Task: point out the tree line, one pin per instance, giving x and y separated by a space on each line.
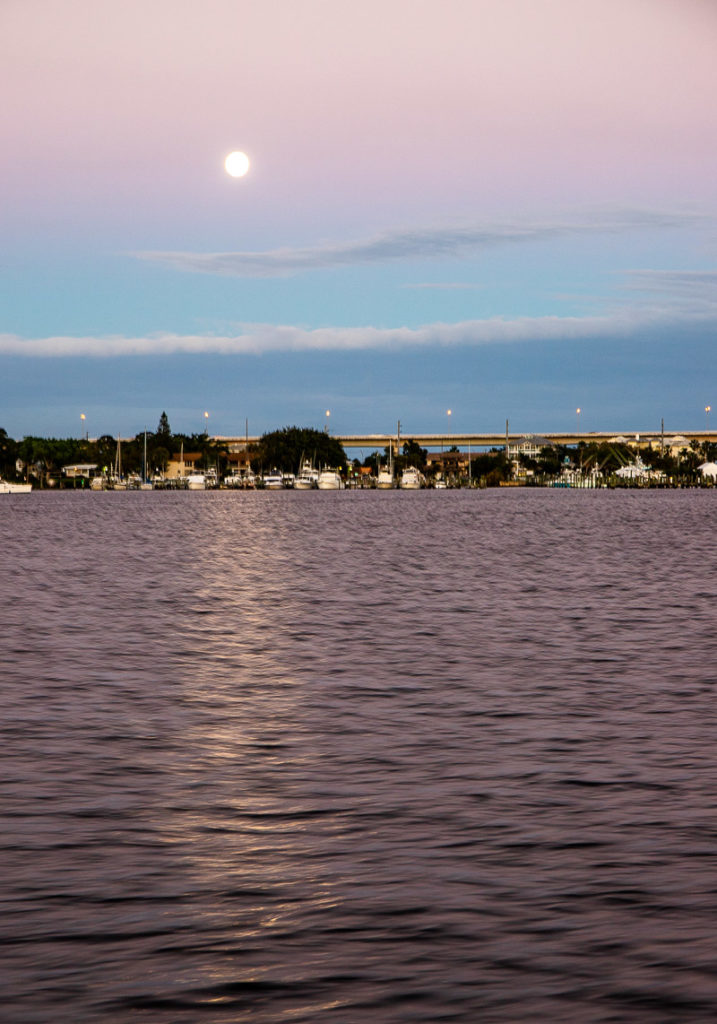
42 458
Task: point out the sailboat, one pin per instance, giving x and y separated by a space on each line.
145 484
117 483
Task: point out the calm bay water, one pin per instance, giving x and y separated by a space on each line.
359 756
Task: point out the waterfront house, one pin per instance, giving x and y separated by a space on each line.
178 467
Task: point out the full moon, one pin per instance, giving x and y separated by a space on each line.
237 164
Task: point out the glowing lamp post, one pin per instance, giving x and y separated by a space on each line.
82 422
577 414
326 428
448 423
708 410
206 422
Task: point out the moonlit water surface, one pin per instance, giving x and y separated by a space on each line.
359 756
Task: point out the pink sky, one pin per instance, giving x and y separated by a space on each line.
373 113
441 172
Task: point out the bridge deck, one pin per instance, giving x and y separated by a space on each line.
476 440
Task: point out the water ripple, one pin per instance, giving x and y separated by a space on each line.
359 756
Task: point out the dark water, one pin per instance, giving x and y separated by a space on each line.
347 757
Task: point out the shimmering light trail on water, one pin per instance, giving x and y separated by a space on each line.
386 757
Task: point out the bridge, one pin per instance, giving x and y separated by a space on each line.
641 438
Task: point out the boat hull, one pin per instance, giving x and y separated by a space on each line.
9 488
329 481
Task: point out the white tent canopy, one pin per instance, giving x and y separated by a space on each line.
708 469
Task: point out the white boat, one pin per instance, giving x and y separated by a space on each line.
385 480
243 480
6 487
308 478
196 482
274 481
412 479
329 480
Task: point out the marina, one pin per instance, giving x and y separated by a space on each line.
305 459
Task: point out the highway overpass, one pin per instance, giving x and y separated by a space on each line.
369 442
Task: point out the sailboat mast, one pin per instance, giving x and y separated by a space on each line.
118 460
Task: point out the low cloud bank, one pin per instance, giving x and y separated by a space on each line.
256 339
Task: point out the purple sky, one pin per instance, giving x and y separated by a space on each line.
430 181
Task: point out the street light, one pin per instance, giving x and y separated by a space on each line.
448 419
577 413
708 410
206 422
326 428
82 421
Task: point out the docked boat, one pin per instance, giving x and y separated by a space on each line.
329 480
244 480
196 482
307 479
274 481
6 487
117 481
412 479
145 483
385 480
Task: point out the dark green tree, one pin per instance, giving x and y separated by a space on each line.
164 431
8 455
284 450
158 459
491 467
415 455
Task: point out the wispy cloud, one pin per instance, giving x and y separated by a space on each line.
697 284
453 242
258 339
446 286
